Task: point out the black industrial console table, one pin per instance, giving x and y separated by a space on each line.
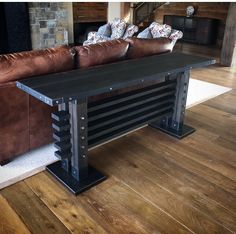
79 125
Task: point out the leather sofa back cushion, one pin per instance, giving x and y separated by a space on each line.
101 53
36 62
140 47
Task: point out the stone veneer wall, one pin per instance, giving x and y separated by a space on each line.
49 24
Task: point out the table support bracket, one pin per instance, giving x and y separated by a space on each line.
174 125
73 170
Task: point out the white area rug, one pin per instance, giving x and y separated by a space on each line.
35 161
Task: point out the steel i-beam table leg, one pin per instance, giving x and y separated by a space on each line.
78 176
174 125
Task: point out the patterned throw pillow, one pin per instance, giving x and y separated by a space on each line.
160 30
130 31
145 34
118 27
91 35
95 39
105 30
175 34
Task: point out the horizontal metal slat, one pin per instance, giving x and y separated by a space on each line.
124 114
127 105
126 129
60 115
119 124
61 136
130 95
61 125
63 154
62 146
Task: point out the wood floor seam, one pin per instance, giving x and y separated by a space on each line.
186 202
146 199
46 205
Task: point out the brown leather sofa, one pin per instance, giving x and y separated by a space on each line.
25 123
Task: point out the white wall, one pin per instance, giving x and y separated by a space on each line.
113 10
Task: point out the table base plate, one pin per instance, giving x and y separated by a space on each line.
76 187
185 131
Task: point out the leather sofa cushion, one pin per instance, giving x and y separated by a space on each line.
14 129
40 122
140 47
36 62
101 53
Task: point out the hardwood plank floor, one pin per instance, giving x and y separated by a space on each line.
10 221
156 183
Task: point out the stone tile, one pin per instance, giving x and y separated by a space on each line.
61 14
51 23
60 36
62 23
35 40
50 42
51 30
43 43
50 15
43 23
45 36
32 17
44 4
34 28
51 36
60 5
53 6
31 10
44 30
41 14
33 4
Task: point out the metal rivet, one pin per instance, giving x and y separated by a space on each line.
82 128
84 156
70 98
57 102
82 137
110 88
82 146
82 117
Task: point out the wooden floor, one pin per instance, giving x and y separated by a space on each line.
156 184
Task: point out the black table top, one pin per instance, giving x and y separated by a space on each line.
61 87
